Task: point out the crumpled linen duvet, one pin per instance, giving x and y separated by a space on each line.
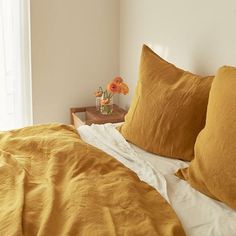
54 184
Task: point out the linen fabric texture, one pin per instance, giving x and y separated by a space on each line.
168 109
53 183
213 170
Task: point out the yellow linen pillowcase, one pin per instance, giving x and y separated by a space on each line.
213 170
168 109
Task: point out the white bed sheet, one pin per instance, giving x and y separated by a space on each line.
199 214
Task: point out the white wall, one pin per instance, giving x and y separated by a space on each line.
78 45
75 48
194 35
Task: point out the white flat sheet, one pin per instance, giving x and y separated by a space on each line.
199 214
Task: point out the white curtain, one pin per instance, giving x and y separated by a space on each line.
15 67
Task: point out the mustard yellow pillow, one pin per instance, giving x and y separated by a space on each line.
168 109
213 170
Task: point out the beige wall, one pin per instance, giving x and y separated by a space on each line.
78 45
195 35
75 48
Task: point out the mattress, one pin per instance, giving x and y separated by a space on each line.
199 214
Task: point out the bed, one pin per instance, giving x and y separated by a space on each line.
90 181
199 214
168 170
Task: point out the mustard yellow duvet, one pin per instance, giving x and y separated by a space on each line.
54 184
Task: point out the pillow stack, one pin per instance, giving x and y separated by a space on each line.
213 170
168 112
168 109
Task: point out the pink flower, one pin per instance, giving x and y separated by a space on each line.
113 87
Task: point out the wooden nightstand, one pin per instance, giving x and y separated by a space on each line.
89 115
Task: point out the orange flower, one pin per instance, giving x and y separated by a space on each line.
98 93
105 101
124 89
118 80
113 88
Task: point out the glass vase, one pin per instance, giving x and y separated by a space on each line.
98 103
106 106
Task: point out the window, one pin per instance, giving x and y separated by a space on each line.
15 69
